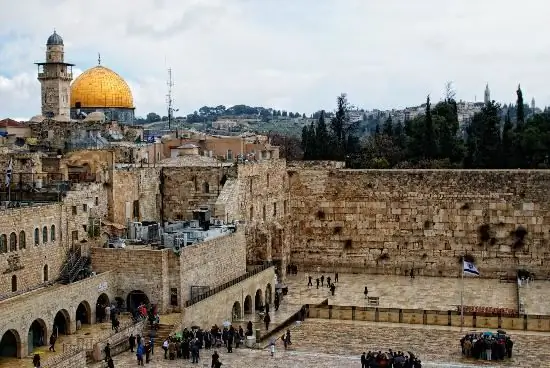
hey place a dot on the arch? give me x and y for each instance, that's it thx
(22, 240)
(259, 300)
(38, 334)
(268, 294)
(61, 323)
(10, 344)
(236, 311)
(13, 242)
(45, 273)
(36, 237)
(44, 234)
(248, 304)
(84, 313)
(3, 244)
(52, 232)
(101, 303)
(14, 283)
(135, 298)
(205, 187)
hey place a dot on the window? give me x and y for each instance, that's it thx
(75, 212)
(85, 207)
(174, 296)
(13, 242)
(136, 209)
(36, 237)
(251, 212)
(44, 234)
(45, 273)
(284, 207)
(52, 233)
(74, 235)
(229, 155)
(267, 179)
(274, 209)
(14, 283)
(263, 212)
(205, 187)
(251, 185)
(22, 240)
(3, 244)
(97, 201)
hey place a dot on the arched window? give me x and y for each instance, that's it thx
(22, 240)
(14, 283)
(45, 273)
(205, 187)
(3, 244)
(36, 237)
(13, 242)
(52, 233)
(44, 234)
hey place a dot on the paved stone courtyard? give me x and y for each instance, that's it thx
(403, 292)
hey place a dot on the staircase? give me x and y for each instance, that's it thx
(73, 267)
(161, 334)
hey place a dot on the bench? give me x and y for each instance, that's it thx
(373, 300)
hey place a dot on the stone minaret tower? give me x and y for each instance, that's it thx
(55, 76)
(533, 105)
(487, 97)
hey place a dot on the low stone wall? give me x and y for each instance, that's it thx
(69, 359)
(431, 317)
(119, 341)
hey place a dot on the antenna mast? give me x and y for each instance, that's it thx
(169, 99)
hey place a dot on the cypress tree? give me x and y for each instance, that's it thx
(321, 139)
(507, 146)
(430, 145)
(388, 127)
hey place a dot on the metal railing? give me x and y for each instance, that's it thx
(228, 284)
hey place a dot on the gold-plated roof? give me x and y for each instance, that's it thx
(101, 87)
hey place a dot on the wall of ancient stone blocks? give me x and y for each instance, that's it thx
(188, 188)
(31, 261)
(212, 263)
(392, 221)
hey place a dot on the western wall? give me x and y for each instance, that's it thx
(392, 221)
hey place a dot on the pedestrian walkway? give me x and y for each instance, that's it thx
(278, 317)
(435, 293)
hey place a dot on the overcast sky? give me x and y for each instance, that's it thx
(296, 55)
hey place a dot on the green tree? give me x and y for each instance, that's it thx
(322, 139)
(507, 145)
(388, 127)
(520, 111)
(430, 144)
(483, 142)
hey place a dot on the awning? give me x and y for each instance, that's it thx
(112, 224)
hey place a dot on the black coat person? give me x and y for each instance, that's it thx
(132, 342)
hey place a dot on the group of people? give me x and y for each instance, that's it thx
(487, 346)
(144, 347)
(321, 281)
(389, 359)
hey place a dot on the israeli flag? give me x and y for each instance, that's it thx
(470, 269)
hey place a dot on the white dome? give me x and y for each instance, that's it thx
(95, 116)
(62, 118)
(37, 119)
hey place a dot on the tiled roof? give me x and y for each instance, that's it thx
(5, 123)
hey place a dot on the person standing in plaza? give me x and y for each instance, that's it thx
(132, 342)
(53, 339)
(336, 277)
(276, 302)
(267, 320)
(364, 360)
(322, 280)
(332, 288)
(110, 363)
(36, 361)
(139, 354)
(366, 292)
(107, 351)
(317, 280)
(215, 359)
(309, 281)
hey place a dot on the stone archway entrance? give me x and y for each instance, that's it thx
(37, 335)
(248, 304)
(84, 313)
(268, 294)
(259, 300)
(101, 303)
(236, 311)
(61, 323)
(10, 345)
(135, 298)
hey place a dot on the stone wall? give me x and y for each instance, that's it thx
(264, 203)
(67, 360)
(135, 195)
(32, 261)
(143, 270)
(220, 307)
(212, 263)
(393, 220)
(188, 188)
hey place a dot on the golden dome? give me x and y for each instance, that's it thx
(101, 87)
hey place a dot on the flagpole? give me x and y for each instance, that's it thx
(462, 295)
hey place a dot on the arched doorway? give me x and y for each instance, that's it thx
(102, 302)
(84, 313)
(268, 294)
(248, 304)
(135, 298)
(37, 334)
(61, 323)
(259, 300)
(10, 344)
(236, 311)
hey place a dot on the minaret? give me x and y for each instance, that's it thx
(533, 105)
(55, 76)
(487, 97)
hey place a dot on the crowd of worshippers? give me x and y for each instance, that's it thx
(105, 312)
(321, 281)
(389, 359)
(487, 346)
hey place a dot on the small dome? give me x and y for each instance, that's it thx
(37, 119)
(95, 116)
(54, 39)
